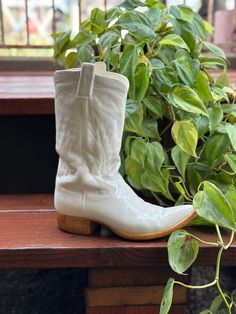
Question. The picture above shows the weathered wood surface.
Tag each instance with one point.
(123, 277)
(26, 202)
(31, 239)
(32, 93)
(138, 309)
(26, 93)
(118, 296)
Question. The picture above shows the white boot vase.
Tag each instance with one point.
(90, 112)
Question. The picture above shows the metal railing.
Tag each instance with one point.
(52, 7)
(53, 28)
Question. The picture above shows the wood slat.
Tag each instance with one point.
(32, 93)
(26, 202)
(26, 106)
(139, 276)
(31, 239)
(28, 94)
(119, 296)
(175, 309)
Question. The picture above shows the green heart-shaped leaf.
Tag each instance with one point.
(214, 49)
(182, 251)
(231, 130)
(216, 145)
(231, 159)
(212, 205)
(180, 159)
(167, 297)
(133, 117)
(187, 99)
(141, 79)
(155, 105)
(71, 60)
(128, 63)
(155, 156)
(138, 151)
(131, 4)
(174, 40)
(133, 171)
(83, 38)
(215, 117)
(185, 135)
(203, 87)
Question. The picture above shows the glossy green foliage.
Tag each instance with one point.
(179, 142)
(182, 251)
(179, 127)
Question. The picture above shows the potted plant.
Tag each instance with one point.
(179, 138)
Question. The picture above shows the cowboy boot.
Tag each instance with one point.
(90, 112)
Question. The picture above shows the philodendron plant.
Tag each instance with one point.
(177, 114)
(219, 209)
(179, 143)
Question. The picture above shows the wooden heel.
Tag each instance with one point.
(75, 224)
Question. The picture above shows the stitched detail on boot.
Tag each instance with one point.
(121, 193)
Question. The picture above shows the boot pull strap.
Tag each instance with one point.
(86, 80)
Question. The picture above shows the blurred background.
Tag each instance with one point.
(26, 25)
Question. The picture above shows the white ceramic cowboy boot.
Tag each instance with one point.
(90, 111)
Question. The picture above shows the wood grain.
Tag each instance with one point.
(26, 202)
(77, 225)
(139, 276)
(31, 239)
(32, 93)
(118, 296)
(28, 94)
(22, 105)
(148, 309)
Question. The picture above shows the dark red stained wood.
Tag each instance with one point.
(30, 238)
(130, 276)
(175, 309)
(26, 106)
(26, 94)
(26, 202)
(32, 93)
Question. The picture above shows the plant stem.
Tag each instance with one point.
(160, 202)
(217, 278)
(171, 112)
(196, 287)
(230, 241)
(219, 235)
(169, 108)
(230, 173)
(166, 128)
(186, 191)
(202, 241)
(215, 282)
(219, 255)
(218, 263)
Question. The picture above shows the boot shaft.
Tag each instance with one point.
(90, 112)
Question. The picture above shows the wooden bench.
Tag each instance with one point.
(124, 277)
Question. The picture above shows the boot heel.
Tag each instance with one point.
(73, 224)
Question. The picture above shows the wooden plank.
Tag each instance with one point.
(26, 106)
(147, 309)
(26, 86)
(32, 93)
(28, 94)
(26, 202)
(118, 296)
(31, 239)
(139, 276)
